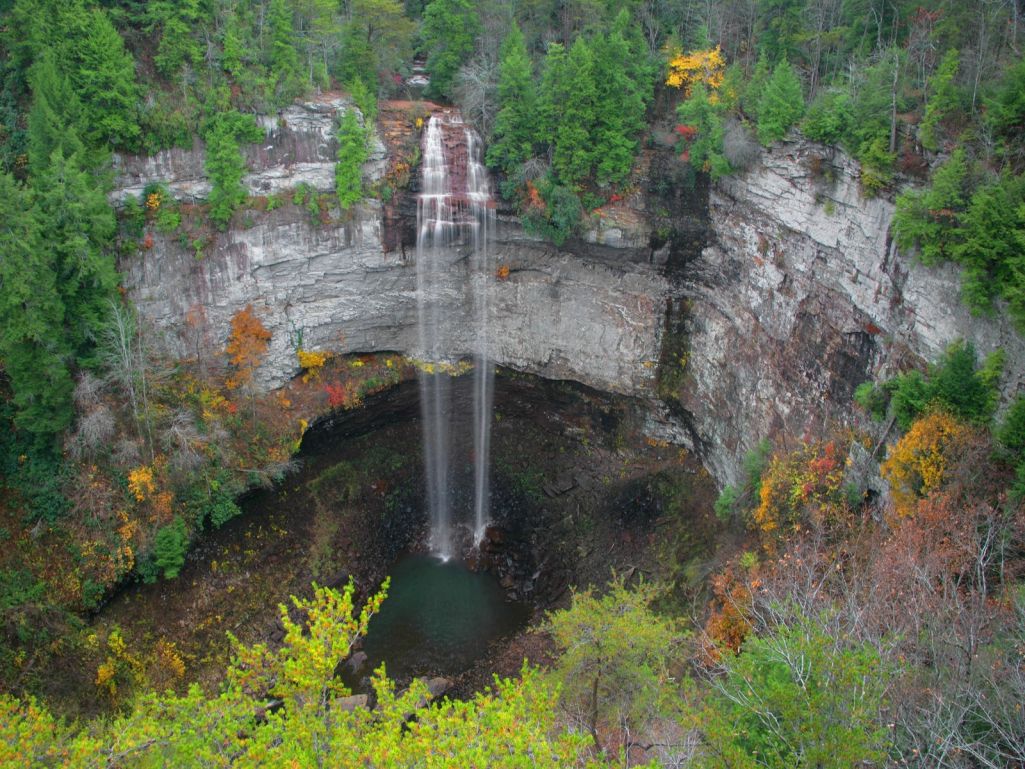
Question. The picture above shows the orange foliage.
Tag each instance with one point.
(802, 485)
(728, 624)
(921, 461)
(247, 343)
(503, 272)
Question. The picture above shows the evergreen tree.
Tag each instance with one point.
(103, 74)
(755, 87)
(177, 21)
(574, 153)
(620, 104)
(781, 105)
(33, 348)
(515, 123)
(352, 154)
(552, 93)
(449, 34)
(927, 218)
(225, 164)
(705, 115)
(942, 100)
(79, 225)
(283, 59)
(829, 117)
(54, 118)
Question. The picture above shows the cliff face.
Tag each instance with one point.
(799, 298)
(593, 318)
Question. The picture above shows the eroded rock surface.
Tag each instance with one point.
(800, 297)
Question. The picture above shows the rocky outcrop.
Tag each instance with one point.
(555, 314)
(299, 148)
(800, 297)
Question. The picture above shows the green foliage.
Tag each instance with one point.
(989, 246)
(615, 653)
(515, 122)
(559, 219)
(925, 217)
(574, 145)
(797, 697)
(177, 22)
(1011, 438)
(33, 345)
(283, 58)
(169, 548)
(954, 383)
(225, 164)
(781, 105)
(1006, 109)
(725, 503)
(705, 151)
(828, 119)
(449, 30)
(376, 41)
(943, 100)
(872, 399)
(352, 154)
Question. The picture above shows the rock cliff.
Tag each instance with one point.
(797, 298)
(801, 296)
(593, 318)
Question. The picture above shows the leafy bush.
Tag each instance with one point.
(872, 398)
(725, 502)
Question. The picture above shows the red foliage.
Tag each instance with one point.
(147, 242)
(336, 394)
(688, 132)
(872, 328)
(685, 156)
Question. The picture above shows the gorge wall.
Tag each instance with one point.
(345, 287)
(797, 297)
(800, 297)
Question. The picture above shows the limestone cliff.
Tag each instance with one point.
(593, 318)
(799, 297)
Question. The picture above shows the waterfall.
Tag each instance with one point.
(455, 212)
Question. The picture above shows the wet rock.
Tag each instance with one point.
(560, 485)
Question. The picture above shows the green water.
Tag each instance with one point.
(438, 619)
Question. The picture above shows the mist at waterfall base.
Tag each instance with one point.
(455, 213)
(439, 618)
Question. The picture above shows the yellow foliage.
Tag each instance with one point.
(919, 463)
(311, 361)
(707, 66)
(140, 482)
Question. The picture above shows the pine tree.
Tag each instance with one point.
(942, 99)
(620, 103)
(78, 226)
(103, 74)
(54, 118)
(515, 123)
(283, 59)
(574, 154)
(927, 217)
(781, 105)
(32, 343)
(705, 150)
(177, 20)
(352, 154)
(552, 93)
(225, 164)
(449, 34)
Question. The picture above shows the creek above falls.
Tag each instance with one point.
(577, 491)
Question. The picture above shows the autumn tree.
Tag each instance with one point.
(247, 344)
(924, 459)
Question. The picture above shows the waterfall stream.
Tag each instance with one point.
(455, 214)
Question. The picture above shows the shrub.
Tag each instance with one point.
(169, 548)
